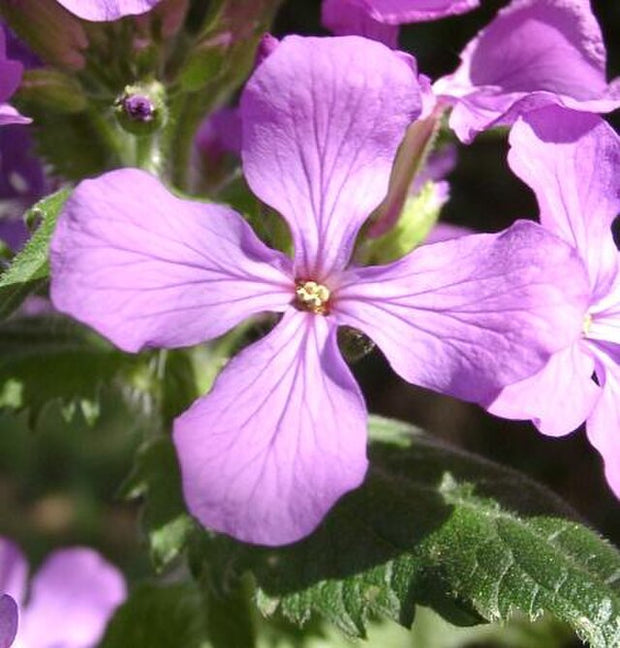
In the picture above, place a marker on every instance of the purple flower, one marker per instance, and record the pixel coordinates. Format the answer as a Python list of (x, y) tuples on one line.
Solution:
[(8, 620), (10, 77), (282, 434), (572, 161), (102, 10), (379, 19), (534, 53), (70, 598)]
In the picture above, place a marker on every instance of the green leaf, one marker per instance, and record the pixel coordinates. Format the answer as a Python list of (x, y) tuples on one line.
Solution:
[(436, 526), (165, 520), (31, 266), (49, 357), (229, 616), (158, 617)]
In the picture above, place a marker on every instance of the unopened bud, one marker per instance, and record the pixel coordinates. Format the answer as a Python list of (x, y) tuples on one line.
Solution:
[(141, 109)]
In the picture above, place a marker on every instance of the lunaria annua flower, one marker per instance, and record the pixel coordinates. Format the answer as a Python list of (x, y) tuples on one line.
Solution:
[(70, 598), (572, 161), (10, 78), (379, 19), (534, 53), (102, 10), (282, 434)]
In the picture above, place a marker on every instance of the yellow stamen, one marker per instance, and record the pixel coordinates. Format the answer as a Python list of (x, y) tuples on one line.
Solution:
[(587, 324), (313, 297)]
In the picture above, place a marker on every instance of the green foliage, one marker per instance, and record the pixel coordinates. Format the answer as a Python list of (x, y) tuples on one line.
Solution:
[(81, 144), (165, 521), (30, 267), (436, 526), (158, 617), (49, 357), (229, 616)]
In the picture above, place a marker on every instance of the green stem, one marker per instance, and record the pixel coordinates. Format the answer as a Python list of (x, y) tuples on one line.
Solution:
[(147, 154)]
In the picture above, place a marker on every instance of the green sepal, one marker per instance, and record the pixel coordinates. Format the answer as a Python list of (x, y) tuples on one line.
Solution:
[(419, 215)]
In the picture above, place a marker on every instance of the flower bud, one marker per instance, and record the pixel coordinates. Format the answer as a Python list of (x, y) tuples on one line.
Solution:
[(141, 109)]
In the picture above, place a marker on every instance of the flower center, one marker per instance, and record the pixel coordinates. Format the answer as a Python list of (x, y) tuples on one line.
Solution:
[(312, 296), (587, 324)]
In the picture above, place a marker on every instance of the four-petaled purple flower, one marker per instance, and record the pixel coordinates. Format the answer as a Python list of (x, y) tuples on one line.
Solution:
[(70, 598), (533, 54), (282, 434), (571, 160)]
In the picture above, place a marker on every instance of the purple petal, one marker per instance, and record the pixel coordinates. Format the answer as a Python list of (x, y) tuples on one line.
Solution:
[(13, 570), (571, 161), (397, 12), (73, 595), (102, 10), (446, 232), (350, 17), (8, 115), (604, 325), (8, 620), (559, 398), (220, 133), (267, 45), (14, 233), (320, 152), (145, 268), (279, 439), (604, 422), (469, 316), (10, 78), (534, 53), (18, 50), (10, 71)]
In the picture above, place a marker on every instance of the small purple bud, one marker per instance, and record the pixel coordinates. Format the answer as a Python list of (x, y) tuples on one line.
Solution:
[(139, 108)]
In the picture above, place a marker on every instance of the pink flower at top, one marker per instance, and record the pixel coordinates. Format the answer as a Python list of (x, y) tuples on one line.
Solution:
[(102, 10), (379, 19), (534, 53), (282, 434), (10, 78), (572, 161), (70, 600)]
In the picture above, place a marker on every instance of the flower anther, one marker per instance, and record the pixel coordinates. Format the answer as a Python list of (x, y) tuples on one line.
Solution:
[(312, 296)]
